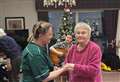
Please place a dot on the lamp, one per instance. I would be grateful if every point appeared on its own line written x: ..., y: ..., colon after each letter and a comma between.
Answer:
x: 56, y: 3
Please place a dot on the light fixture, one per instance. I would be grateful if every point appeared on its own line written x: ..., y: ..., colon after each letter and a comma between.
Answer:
x: 57, y: 3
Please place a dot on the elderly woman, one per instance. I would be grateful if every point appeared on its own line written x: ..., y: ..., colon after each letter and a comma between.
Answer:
x: 36, y: 65
x: 84, y: 58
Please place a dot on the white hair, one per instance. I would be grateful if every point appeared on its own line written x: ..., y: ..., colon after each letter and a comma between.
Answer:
x: 83, y: 25
x: 2, y: 32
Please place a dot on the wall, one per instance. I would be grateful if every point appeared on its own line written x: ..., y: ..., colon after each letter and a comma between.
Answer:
x: 1, y: 14
x: 18, y: 8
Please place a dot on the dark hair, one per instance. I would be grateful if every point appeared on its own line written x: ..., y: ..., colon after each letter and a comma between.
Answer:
x: 40, y: 28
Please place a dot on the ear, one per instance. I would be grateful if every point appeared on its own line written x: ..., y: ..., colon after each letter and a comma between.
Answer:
x: 40, y: 35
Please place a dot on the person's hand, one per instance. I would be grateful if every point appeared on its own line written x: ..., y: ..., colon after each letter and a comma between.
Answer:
x: 8, y: 64
x: 60, y: 53
x: 56, y: 68
x: 69, y: 67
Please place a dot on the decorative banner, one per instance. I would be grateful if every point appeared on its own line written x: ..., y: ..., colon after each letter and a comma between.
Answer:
x: 59, y: 3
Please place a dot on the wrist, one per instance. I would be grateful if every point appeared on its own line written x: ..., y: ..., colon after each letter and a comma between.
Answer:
x: 63, y: 69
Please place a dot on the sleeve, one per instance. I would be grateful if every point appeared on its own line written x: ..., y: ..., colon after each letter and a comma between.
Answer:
x: 39, y: 67
x: 58, y: 45
x: 69, y: 54
x: 68, y: 58
x: 93, y: 66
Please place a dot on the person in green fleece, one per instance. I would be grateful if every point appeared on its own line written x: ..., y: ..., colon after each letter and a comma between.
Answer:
x: 36, y: 65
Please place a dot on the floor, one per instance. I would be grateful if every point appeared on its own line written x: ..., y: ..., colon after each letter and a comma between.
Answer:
x: 107, y: 77
x: 111, y: 76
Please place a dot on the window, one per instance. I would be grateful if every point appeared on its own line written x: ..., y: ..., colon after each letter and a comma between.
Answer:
x: 91, y: 17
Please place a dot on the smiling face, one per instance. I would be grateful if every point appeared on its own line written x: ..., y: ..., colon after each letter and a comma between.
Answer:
x: 82, y: 33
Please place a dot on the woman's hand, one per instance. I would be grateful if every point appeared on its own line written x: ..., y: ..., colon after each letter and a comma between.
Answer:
x: 8, y: 64
x: 69, y: 67
x: 56, y: 68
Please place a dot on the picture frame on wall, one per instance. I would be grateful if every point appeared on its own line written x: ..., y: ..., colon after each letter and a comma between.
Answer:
x: 14, y: 23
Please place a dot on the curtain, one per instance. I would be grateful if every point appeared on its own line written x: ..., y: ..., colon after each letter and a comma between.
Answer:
x: 109, y: 20
x: 118, y: 36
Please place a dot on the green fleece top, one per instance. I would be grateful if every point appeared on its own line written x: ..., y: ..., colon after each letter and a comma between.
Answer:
x: 36, y: 64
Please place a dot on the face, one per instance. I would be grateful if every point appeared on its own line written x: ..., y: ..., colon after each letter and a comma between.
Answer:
x: 82, y: 35
x: 48, y: 36
x: 68, y: 38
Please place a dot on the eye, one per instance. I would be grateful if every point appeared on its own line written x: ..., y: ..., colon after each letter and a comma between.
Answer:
x: 77, y: 32
x: 83, y: 32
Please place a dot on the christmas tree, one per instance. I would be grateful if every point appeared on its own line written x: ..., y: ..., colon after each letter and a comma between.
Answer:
x: 66, y: 26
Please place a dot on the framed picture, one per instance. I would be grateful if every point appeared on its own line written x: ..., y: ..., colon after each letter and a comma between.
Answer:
x: 14, y: 23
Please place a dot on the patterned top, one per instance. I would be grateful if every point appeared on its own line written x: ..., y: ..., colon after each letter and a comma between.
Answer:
x: 63, y: 44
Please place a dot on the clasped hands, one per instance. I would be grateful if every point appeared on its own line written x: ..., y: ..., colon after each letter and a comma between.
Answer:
x: 67, y: 67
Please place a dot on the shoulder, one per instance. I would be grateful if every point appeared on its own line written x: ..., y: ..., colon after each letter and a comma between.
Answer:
x: 94, y: 49
x: 9, y: 43
x: 59, y: 44
x: 93, y: 45
x: 8, y: 40
x: 73, y: 46
x: 31, y: 49
x: 64, y: 42
x: 33, y: 52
